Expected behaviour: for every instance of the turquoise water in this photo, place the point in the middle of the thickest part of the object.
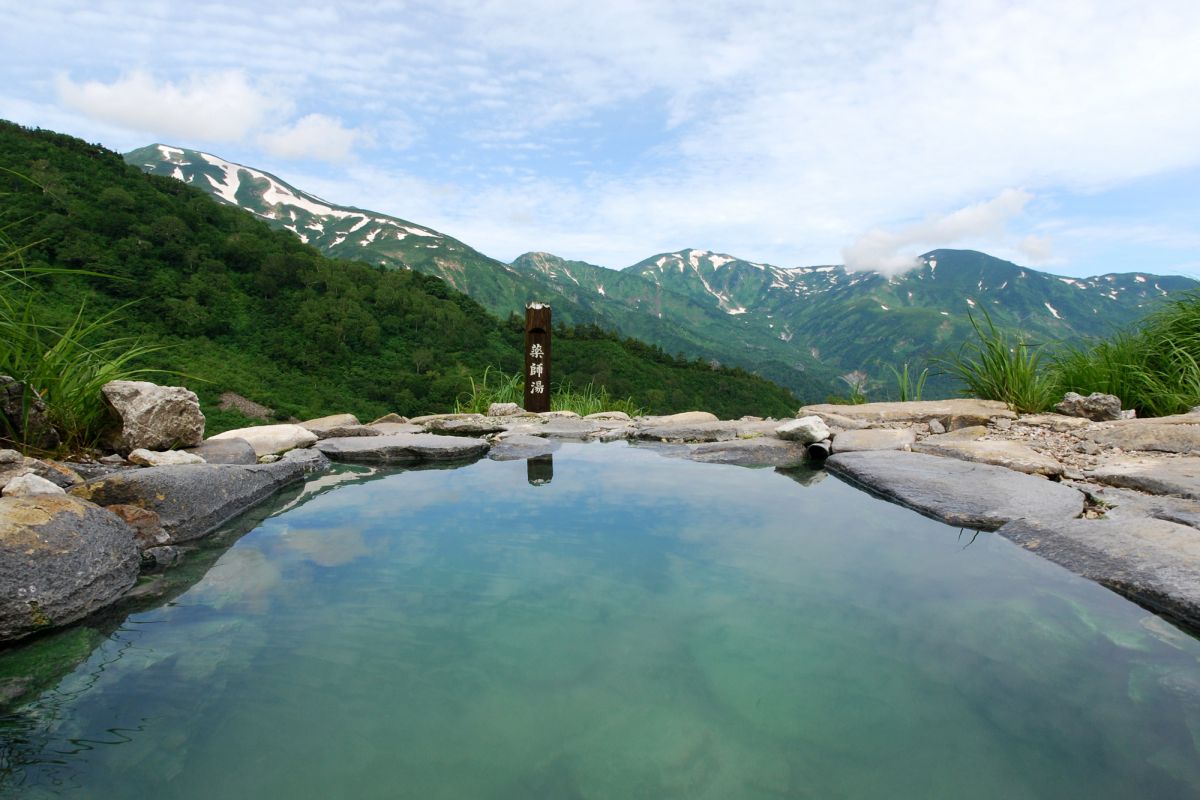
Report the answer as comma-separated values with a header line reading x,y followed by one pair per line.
x,y
638,627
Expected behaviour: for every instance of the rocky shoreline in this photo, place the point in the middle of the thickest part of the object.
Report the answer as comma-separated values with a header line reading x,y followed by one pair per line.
x,y
1117,502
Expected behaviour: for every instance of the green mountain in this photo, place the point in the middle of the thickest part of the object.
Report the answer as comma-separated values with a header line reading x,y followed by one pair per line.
x,y
801,327
245,308
581,294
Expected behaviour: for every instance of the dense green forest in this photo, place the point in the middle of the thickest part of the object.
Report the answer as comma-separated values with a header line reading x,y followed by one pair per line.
x,y
241,307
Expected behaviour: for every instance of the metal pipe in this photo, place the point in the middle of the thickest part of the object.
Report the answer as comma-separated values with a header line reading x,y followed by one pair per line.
x,y
819,451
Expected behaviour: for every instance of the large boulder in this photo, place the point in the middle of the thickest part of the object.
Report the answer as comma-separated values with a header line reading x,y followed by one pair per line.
x,y
152,417
960,493
192,501
24,419
271,439
873,439
61,558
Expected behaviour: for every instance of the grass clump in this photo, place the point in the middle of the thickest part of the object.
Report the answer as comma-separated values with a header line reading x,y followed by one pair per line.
x,y
909,384
497,387
997,367
1155,368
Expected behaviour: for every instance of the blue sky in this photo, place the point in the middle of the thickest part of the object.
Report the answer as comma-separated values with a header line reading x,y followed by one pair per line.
x,y
1060,135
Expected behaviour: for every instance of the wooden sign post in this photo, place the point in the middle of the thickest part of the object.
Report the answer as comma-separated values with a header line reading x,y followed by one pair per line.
x,y
537,357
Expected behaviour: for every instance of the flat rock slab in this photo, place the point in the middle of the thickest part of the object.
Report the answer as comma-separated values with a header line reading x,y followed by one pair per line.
x,y
192,501
960,493
571,428
1013,455
1055,422
332,421
758,452
1127,503
1154,562
225,451
396,427
708,431
1151,435
61,558
682,418
1177,476
521,446
402,448
873,439
951,413
474,425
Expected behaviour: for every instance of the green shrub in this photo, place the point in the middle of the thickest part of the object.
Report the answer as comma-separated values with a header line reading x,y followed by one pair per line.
x,y
497,387
994,367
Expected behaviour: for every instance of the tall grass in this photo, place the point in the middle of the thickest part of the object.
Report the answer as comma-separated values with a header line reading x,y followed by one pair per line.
x,y
1155,368
62,364
997,367
497,387
909,385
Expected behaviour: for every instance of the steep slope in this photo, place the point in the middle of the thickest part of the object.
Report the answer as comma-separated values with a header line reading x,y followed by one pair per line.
x,y
256,311
637,308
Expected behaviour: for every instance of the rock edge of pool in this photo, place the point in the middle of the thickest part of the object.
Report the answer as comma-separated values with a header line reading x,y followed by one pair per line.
x,y
1117,502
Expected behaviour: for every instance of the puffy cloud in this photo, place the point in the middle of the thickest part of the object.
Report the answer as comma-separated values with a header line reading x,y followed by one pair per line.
x,y
891,253
220,106
314,136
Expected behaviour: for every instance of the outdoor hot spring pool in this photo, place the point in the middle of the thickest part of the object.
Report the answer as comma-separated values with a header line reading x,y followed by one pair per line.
x,y
639,626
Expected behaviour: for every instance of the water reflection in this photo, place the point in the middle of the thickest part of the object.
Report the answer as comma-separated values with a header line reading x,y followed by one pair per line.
x,y
539,470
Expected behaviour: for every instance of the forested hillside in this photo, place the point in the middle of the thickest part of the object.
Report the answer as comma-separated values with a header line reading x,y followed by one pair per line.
x,y
244,308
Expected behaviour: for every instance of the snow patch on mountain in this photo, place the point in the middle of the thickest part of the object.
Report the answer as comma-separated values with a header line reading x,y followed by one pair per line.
x,y
1053,310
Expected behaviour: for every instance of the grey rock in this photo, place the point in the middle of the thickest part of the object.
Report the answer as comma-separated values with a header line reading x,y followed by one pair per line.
x,y
192,501
1013,455
224,451
269,458
115,459
762,451
30,484
1127,503
402,448
614,434
1154,562
1149,434
504,410
396,427
708,431
61,558
1055,422
421,420
10,457
936,426
152,417
960,493
804,430
571,428
23,417
873,439
1002,424
164,458
310,459
392,418
347,430
160,558
1177,476
558,415
521,446
609,416
145,524
471,425
1096,406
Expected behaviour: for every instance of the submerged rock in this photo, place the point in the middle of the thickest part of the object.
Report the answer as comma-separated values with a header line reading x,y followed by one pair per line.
x,y
61,558
961,493
192,501
1152,561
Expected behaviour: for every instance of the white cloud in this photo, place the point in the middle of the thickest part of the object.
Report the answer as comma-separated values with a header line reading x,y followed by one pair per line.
x,y
314,136
891,253
220,106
